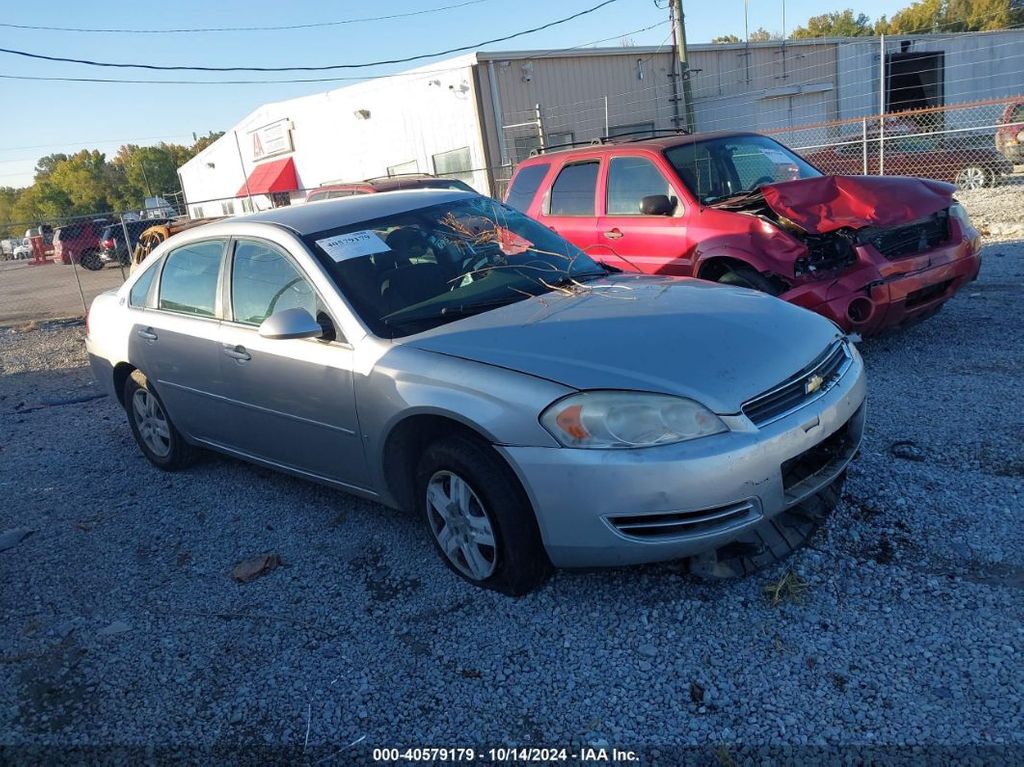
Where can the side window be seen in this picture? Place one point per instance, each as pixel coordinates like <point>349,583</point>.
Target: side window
<point>140,290</point>
<point>263,282</point>
<point>1018,115</point>
<point>630,179</point>
<point>572,194</point>
<point>188,283</point>
<point>525,185</point>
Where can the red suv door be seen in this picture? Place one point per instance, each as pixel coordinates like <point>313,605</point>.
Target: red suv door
<point>570,207</point>
<point>631,239</point>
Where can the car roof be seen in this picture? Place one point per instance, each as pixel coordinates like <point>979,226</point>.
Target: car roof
<point>331,214</point>
<point>659,143</point>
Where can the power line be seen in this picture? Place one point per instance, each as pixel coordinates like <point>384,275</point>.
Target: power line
<point>324,68</point>
<point>290,81</point>
<point>190,30</point>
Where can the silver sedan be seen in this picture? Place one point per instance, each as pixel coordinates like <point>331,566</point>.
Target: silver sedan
<point>440,352</point>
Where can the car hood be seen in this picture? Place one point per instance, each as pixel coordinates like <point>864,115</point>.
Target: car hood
<point>719,345</point>
<point>827,203</point>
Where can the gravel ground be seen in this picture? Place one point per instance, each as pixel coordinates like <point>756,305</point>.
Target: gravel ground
<point>124,626</point>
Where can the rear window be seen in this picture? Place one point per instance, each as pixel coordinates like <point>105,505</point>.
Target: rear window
<point>525,185</point>
<point>140,290</point>
<point>572,194</point>
<point>189,280</point>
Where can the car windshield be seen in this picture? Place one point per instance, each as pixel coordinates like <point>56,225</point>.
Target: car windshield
<point>718,169</point>
<point>412,271</point>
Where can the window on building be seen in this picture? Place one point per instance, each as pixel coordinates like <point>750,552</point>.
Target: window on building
<point>188,283</point>
<point>197,211</point>
<point>280,199</point>
<point>525,185</point>
<point>228,208</point>
<point>572,194</point>
<point>404,168</point>
<point>634,130</point>
<point>454,164</point>
<point>525,146</point>
<point>263,281</point>
<point>630,179</point>
<point>247,205</point>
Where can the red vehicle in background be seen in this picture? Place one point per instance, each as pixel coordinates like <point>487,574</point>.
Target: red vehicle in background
<point>386,184</point>
<point>79,243</point>
<point>1010,133</point>
<point>868,252</point>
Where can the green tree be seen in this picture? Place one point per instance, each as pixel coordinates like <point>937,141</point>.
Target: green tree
<point>762,35</point>
<point>835,24</point>
<point>85,179</point>
<point>953,16</point>
<point>726,39</point>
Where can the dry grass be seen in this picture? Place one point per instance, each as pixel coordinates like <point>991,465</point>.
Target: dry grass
<point>789,586</point>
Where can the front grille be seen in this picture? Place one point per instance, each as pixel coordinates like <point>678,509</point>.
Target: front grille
<point>835,447</point>
<point>797,391</point>
<point>686,523</point>
<point>910,239</point>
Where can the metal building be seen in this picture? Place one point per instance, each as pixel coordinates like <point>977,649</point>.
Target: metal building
<point>475,116</point>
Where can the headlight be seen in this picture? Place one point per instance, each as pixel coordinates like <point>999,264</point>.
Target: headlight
<point>959,212</point>
<point>622,419</point>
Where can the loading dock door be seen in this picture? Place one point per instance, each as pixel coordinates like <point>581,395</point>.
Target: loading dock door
<point>915,81</point>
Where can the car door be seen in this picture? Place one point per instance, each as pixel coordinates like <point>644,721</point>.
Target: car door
<point>570,206</point>
<point>631,240</point>
<point>175,338</point>
<point>293,401</point>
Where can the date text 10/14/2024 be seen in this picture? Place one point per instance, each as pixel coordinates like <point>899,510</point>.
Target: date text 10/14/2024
<point>506,754</point>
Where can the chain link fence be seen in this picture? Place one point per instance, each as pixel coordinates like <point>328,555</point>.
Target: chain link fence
<point>58,266</point>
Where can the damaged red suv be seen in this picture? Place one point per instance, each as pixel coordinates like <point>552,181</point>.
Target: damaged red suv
<point>868,252</point>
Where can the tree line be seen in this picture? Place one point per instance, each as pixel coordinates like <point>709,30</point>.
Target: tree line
<point>87,182</point>
<point>921,17</point>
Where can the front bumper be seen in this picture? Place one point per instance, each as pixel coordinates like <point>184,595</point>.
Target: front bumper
<point>618,507</point>
<point>879,294</point>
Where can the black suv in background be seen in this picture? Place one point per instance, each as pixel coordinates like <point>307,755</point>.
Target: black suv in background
<point>112,246</point>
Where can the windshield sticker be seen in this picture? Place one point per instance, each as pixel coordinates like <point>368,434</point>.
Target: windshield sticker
<point>342,247</point>
<point>777,157</point>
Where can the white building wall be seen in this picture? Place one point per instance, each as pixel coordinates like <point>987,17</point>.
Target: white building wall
<point>410,119</point>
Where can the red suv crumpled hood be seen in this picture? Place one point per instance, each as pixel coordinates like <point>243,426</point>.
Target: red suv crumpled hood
<point>827,203</point>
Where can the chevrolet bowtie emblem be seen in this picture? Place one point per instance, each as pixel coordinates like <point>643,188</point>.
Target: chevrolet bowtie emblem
<point>813,383</point>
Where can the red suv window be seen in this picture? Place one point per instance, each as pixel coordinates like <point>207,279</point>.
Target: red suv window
<point>572,194</point>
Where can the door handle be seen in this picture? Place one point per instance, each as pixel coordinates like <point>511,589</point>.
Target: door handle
<point>614,234</point>
<point>148,334</point>
<point>237,353</point>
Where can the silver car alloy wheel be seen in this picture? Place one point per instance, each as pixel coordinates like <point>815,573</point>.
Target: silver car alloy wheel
<point>151,422</point>
<point>461,525</point>
<point>971,177</point>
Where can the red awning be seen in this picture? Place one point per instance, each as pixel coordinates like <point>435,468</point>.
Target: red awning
<point>275,176</point>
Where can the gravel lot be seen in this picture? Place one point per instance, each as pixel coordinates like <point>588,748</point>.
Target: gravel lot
<point>124,625</point>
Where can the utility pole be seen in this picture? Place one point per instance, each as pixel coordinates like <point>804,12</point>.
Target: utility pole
<point>679,34</point>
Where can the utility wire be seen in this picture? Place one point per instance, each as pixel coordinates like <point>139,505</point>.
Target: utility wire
<point>361,78</point>
<point>190,30</point>
<point>325,68</point>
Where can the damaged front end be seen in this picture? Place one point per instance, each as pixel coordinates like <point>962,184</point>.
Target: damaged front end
<point>877,252</point>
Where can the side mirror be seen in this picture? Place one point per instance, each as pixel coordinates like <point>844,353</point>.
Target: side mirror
<point>290,323</point>
<point>657,205</point>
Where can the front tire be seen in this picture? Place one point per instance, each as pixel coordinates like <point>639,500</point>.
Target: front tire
<point>479,518</point>
<point>747,277</point>
<point>154,432</point>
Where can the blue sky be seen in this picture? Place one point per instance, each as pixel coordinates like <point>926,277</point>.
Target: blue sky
<point>46,117</point>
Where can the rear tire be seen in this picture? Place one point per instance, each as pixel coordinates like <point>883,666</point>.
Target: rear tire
<point>747,277</point>
<point>772,540</point>
<point>478,517</point>
<point>90,259</point>
<point>974,177</point>
<point>154,432</point>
